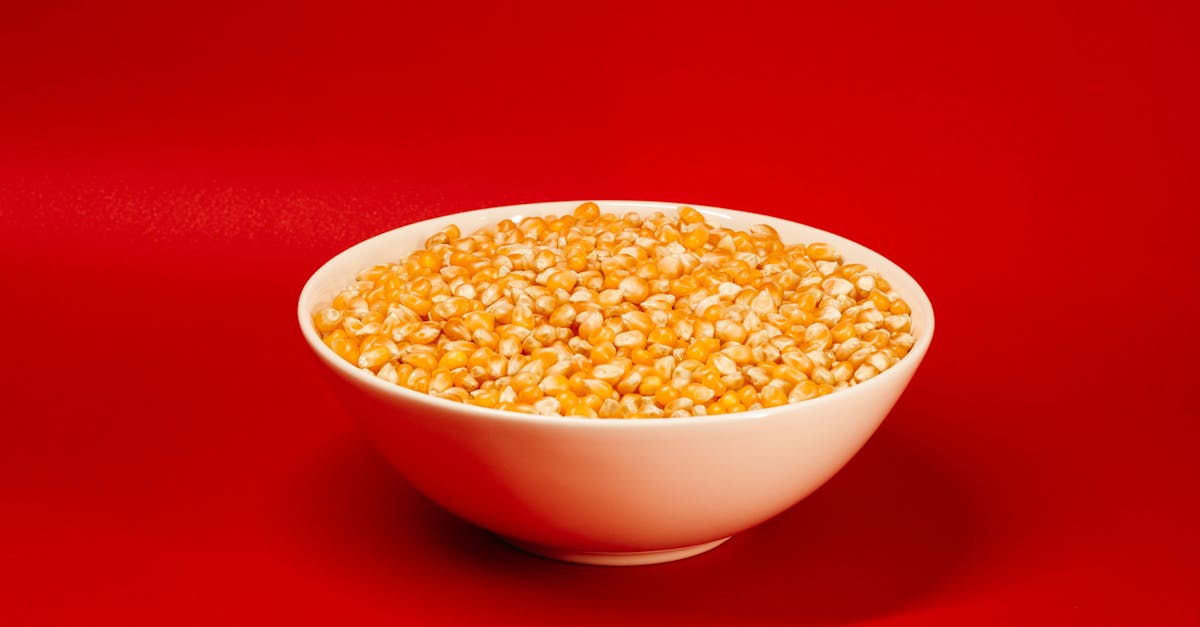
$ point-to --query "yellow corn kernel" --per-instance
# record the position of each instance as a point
(638, 321)
(662, 335)
(670, 267)
(629, 383)
(566, 401)
(864, 372)
(729, 400)
(522, 316)
(817, 337)
(562, 280)
(641, 356)
(809, 298)
(820, 251)
(788, 373)
(665, 395)
(479, 320)
(554, 385)
(629, 339)
(419, 304)
(739, 353)
(590, 322)
(730, 331)
(695, 237)
(878, 338)
(748, 395)
(418, 380)
(823, 376)
(456, 330)
(603, 353)
(733, 381)
(697, 393)
(440, 381)
(327, 319)
(597, 387)
(583, 410)
(374, 357)
(530, 395)
(650, 385)
(426, 334)
(684, 286)
(464, 379)
(804, 390)
(610, 408)
(486, 398)
(544, 259)
(562, 316)
(851, 271)
(797, 360)
(452, 307)
(608, 372)
(586, 212)
(576, 382)
(689, 215)
(577, 261)
(879, 299)
(484, 337)
(773, 396)
(610, 296)
(453, 359)
(701, 348)
(426, 259)
(521, 381)
(420, 359)
(897, 324)
(634, 289)
(592, 402)
(713, 313)
(843, 330)
(711, 380)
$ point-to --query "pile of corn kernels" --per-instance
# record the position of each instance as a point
(598, 315)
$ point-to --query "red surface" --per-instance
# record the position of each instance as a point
(169, 175)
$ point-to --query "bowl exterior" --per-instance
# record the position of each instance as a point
(646, 487)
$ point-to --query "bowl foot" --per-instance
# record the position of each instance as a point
(632, 558)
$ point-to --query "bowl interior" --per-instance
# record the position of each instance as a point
(393, 245)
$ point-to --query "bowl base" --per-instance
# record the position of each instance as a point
(631, 558)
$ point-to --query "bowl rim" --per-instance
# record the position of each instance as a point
(346, 369)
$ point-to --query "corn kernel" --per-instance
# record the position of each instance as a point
(665, 395)
(595, 314)
(773, 396)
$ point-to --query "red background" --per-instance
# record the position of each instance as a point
(170, 174)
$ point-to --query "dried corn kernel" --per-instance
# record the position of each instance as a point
(597, 315)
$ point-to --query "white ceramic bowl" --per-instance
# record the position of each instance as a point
(611, 491)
